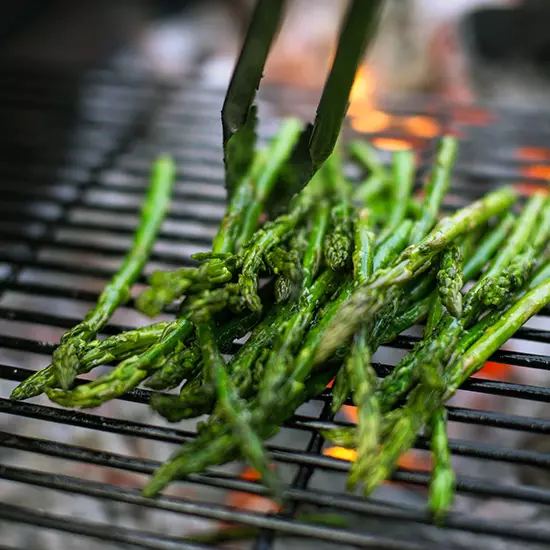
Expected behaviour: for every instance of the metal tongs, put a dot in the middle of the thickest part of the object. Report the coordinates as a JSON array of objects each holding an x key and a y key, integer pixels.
[{"x": 318, "y": 139}]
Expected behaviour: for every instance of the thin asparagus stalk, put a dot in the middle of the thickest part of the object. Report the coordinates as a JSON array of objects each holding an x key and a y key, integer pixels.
[
  {"x": 277, "y": 155},
  {"x": 368, "y": 157},
  {"x": 403, "y": 179},
  {"x": 369, "y": 298},
  {"x": 363, "y": 383},
  {"x": 516, "y": 274},
  {"x": 216, "y": 444},
  {"x": 197, "y": 399},
  {"x": 543, "y": 228},
  {"x": 98, "y": 352},
  {"x": 443, "y": 481},
  {"x": 271, "y": 235},
  {"x": 240, "y": 221},
  {"x": 67, "y": 356},
  {"x": 339, "y": 240},
  {"x": 389, "y": 249},
  {"x": 436, "y": 188},
  {"x": 165, "y": 287},
  {"x": 250, "y": 445},
  {"x": 425, "y": 400},
  {"x": 290, "y": 337},
  {"x": 450, "y": 280},
  {"x": 370, "y": 190},
  {"x": 126, "y": 376},
  {"x": 226, "y": 236},
  {"x": 520, "y": 236},
  {"x": 362, "y": 269},
  {"x": 180, "y": 363},
  {"x": 488, "y": 246},
  {"x": 340, "y": 390},
  {"x": 491, "y": 291},
  {"x": 472, "y": 267},
  {"x": 496, "y": 335},
  {"x": 314, "y": 250},
  {"x": 363, "y": 252}
]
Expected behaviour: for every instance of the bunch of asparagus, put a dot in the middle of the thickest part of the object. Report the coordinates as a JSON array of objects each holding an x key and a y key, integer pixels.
[{"x": 317, "y": 290}]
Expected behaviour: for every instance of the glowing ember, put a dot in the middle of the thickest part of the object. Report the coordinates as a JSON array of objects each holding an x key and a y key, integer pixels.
[
  {"x": 392, "y": 144},
  {"x": 350, "y": 413},
  {"x": 536, "y": 171},
  {"x": 494, "y": 371},
  {"x": 371, "y": 122},
  {"x": 415, "y": 460},
  {"x": 341, "y": 453},
  {"x": 529, "y": 188},
  {"x": 472, "y": 117},
  {"x": 533, "y": 154},
  {"x": 422, "y": 126},
  {"x": 250, "y": 501}
]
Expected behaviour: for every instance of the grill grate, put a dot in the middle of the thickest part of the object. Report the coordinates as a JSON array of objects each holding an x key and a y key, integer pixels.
[{"x": 64, "y": 226}]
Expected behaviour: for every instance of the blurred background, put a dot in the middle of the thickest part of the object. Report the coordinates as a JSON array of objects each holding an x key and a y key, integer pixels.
[{"x": 465, "y": 50}]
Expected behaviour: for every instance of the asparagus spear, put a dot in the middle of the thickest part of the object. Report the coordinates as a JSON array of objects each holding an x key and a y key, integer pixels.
[
  {"x": 450, "y": 280},
  {"x": 488, "y": 246},
  {"x": 425, "y": 400},
  {"x": 290, "y": 336},
  {"x": 250, "y": 445},
  {"x": 473, "y": 265},
  {"x": 362, "y": 269},
  {"x": 224, "y": 241},
  {"x": 314, "y": 250},
  {"x": 403, "y": 179},
  {"x": 264, "y": 181},
  {"x": 496, "y": 335},
  {"x": 216, "y": 445},
  {"x": 270, "y": 236},
  {"x": 369, "y": 298},
  {"x": 67, "y": 356},
  {"x": 363, "y": 252},
  {"x": 180, "y": 363},
  {"x": 165, "y": 287},
  {"x": 197, "y": 399},
  {"x": 520, "y": 236},
  {"x": 339, "y": 240},
  {"x": 443, "y": 481},
  {"x": 436, "y": 188},
  {"x": 389, "y": 249},
  {"x": 367, "y": 156},
  {"x": 517, "y": 273},
  {"x": 98, "y": 352},
  {"x": 126, "y": 376}
]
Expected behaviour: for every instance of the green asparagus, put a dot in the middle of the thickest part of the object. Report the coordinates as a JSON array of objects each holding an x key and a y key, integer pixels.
[{"x": 66, "y": 358}]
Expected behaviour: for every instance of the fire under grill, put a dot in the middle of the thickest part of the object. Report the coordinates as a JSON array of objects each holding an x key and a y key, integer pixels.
[{"x": 71, "y": 479}]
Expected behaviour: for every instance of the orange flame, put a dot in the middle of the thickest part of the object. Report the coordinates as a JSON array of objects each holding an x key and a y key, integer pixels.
[
  {"x": 422, "y": 126},
  {"x": 392, "y": 144},
  {"x": 364, "y": 117},
  {"x": 415, "y": 460},
  {"x": 250, "y": 501}
]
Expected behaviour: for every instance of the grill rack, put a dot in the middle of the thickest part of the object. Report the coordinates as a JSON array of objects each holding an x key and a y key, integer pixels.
[{"x": 46, "y": 204}]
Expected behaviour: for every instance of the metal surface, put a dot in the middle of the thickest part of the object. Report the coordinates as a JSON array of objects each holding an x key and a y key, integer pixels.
[{"x": 65, "y": 225}]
